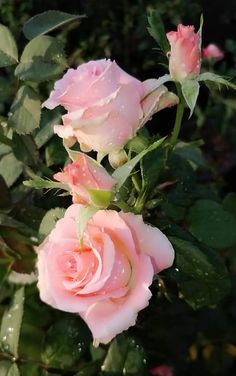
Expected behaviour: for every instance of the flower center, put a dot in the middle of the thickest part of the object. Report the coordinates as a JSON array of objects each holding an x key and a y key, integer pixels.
[{"x": 77, "y": 267}]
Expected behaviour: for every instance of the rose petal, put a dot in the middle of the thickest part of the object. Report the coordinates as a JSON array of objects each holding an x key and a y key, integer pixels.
[
  {"x": 109, "y": 318},
  {"x": 151, "y": 241}
]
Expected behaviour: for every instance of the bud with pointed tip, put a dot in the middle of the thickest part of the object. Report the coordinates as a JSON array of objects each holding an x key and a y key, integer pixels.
[
  {"x": 88, "y": 181},
  {"x": 185, "y": 53}
]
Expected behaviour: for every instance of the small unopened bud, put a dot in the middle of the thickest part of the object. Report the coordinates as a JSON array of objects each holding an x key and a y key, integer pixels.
[{"x": 117, "y": 158}]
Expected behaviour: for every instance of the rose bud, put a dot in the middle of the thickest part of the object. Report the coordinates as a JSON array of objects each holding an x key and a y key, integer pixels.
[
  {"x": 185, "y": 54},
  {"x": 84, "y": 178},
  {"x": 213, "y": 52}
]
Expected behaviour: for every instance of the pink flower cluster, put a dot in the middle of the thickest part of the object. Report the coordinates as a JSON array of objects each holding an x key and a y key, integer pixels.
[{"x": 105, "y": 278}]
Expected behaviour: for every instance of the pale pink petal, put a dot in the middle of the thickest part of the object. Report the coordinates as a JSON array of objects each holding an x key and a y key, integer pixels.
[
  {"x": 109, "y": 318},
  {"x": 116, "y": 227},
  {"x": 151, "y": 241},
  {"x": 64, "y": 131},
  {"x": 108, "y": 136},
  {"x": 107, "y": 261}
]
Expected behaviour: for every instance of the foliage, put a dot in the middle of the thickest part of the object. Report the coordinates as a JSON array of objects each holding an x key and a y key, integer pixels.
[{"x": 188, "y": 324}]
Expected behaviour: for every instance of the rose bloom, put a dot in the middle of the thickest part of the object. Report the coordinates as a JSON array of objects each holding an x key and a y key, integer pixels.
[
  {"x": 185, "y": 53},
  {"x": 104, "y": 105},
  {"x": 106, "y": 280},
  {"x": 212, "y": 52},
  {"x": 162, "y": 370},
  {"x": 84, "y": 175}
]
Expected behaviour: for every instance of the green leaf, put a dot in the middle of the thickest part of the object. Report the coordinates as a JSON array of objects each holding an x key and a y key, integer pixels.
[
  {"x": 45, "y": 131},
  {"x": 25, "y": 111},
  {"x": 123, "y": 172},
  {"x": 85, "y": 213},
  {"x": 211, "y": 224},
  {"x": 157, "y": 30},
  {"x": 25, "y": 149},
  {"x": 31, "y": 336},
  {"x": 55, "y": 153},
  {"x": 200, "y": 294},
  {"x": 137, "y": 144},
  {"x": 100, "y": 198},
  {"x": 201, "y": 274},
  {"x": 11, "y": 324},
  {"x": 125, "y": 356},
  {"x": 10, "y": 169},
  {"x": 192, "y": 261},
  {"x": 31, "y": 369},
  {"x": 184, "y": 181},
  {"x": 97, "y": 353},
  {"x": 5, "y": 197},
  {"x": 5, "y": 140},
  {"x": 8, "y": 369},
  {"x": 7, "y": 221},
  {"x": 47, "y": 21},
  {"x": 49, "y": 221},
  {"x": 190, "y": 90},
  {"x": 4, "y": 149},
  {"x": 65, "y": 342},
  {"x": 90, "y": 369},
  {"x": 175, "y": 212},
  {"x": 192, "y": 154},
  {"x": 40, "y": 183},
  {"x": 42, "y": 59},
  {"x": 215, "y": 78},
  {"x": 8, "y": 48},
  {"x": 151, "y": 166},
  {"x": 73, "y": 154},
  {"x": 229, "y": 203}
]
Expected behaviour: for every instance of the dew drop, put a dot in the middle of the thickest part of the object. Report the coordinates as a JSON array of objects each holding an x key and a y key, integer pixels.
[{"x": 34, "y": 239}]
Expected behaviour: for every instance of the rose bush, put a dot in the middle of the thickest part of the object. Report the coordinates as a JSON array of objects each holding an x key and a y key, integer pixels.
[
  {"x": 98, "y": 268},
  {"x": 83, "y": 177},
  {"x": 104, "y": 105},
  {"x": 185, "y": 53},
  {"x": 107, "y": 279}
]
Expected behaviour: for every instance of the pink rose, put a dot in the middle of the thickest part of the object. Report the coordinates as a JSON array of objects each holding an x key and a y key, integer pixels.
[
  {"x": 84, "y": 175},
  {"x": 104, "y": 105},
  {"x": 162, "y": 371},
  {"x": 212, "y": 52},
  {"x": 185, "y": 54},
  {"x": 107, "y": 280}
]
